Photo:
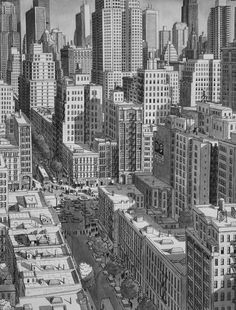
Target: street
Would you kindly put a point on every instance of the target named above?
(102, 288)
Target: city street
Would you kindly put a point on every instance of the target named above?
(102, 288)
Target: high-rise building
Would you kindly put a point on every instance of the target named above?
(83, 31)
(169, 53)
(9, 37)
(220, 31)
(180, 32)
(227, 169)
(123, 123)
(14, 69)
(151, 29)
(201, 80)
(210, 247)
(44, 4)
(228, 81)
(76, 60)
(37, 85)
(190, 15)
(93, 117)
(35, 25)
(164, 38)
(117, 41)
(7, 106)
(153, 93)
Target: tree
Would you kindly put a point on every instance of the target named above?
(56, 166)
(100, 248)
(129, 289)
(146, 304)
(113, 269)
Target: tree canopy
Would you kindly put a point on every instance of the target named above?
(129, 288)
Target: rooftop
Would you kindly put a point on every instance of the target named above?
(80, 148)
(151, 180)
(121, 193)
(212, 215)
(44, 112)
(170, 245)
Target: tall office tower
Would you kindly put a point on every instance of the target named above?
(190, 15)
(201, 79)
(9, 37)
(7, 105)
(17, 5)
(93, 117)
(35, 25)
(164, 38)
(172, 78)
(148, 132)
(44, 4)
(123, 123)
(74, 59)
(14, 69)
(202, 44)
(132, 38)
(70, 110)
(180, 32)
(210, 248)
(151, 29)
(153, 93)
(83, 31)
(37, 85)
(228, 81)
(220, 31)
(117, 41)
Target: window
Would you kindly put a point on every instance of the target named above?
(222, 296)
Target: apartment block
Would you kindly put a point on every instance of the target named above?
(228, 94)
(153, 93)
(210, 247)
(7, 106)
(111, 199)
(201, 80)
(108, 159)
(158, 195)
(41, 263)
(37, 85)
(123, 122)
(80, 163)
(227, 169)
(76, 60)
(156, 259)
(216, 120)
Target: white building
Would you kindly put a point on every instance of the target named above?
(210, 250)
(37, 85)
(7, 105)
(14, 69)
(180, 34)
(201, 79)
(153, 91)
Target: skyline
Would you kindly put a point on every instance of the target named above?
(71, 7)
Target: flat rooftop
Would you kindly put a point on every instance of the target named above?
(60, 301)
(120, 193)
(80, 148)
(151, 180)
(170, 245)
(45, 113)
(211, 213)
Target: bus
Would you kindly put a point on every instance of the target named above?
(43, 176)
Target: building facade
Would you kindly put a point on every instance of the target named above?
(180, 33)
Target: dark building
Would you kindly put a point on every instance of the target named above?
(190, 15)
(35, 25)
(44, 4)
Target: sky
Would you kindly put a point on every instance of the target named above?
(63, 13)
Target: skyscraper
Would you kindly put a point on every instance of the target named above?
(151, 29)
(220, 30)
(164, 38)
(190, 15)
(117, 41)
(35, 25)
(83, 35)
(180, 37)
(44, 4)
(14, 69)
(8, 34)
